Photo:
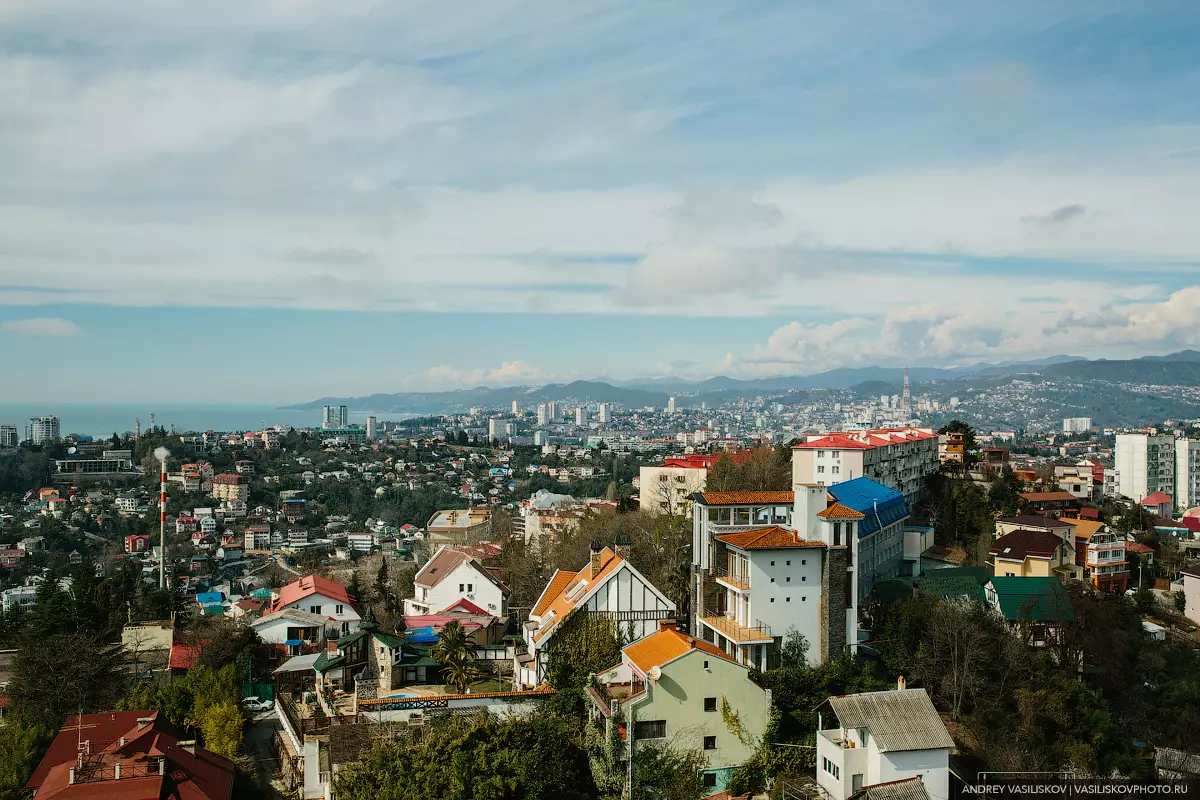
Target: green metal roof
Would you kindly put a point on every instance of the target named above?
(953, 587)
(979, 574)
(393, 642)
(1032, 599)
(892, 590)
(323, 661)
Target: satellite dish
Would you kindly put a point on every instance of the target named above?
(655, 673)
(71, 451)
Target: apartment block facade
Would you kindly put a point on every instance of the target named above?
(899, 458)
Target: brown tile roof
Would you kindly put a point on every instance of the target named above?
(839, 511)
(766, 539)
(1032, 521)
(667, 645)
(561, 605)
(1042, 497)
(1021, 544)
(745, 498)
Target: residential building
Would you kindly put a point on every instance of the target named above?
(450, 576)
(1160, 504)
(1024, 553)
(335, 417)
(129, 754)
(43, 430)
(604, 414)
(1034, 607)
(1064, 530)
(1191, 593)
(128, 503)
(228, 487)
(321, 596)
(640, 696)
(543, 414)
(951, 448)
(9, 437)
(609, 587)
(360, 542)
(671, 405)
(1145, 464)
(270, 439)
(258, 538)
(899, 458)
(1187, 473)
(459, 526)
(668, 489)
(881, 737)
(291, 627)
(1077, 424)
(1049, 504)
(137, 543)
(581, 416)
(372, 429)
(1107, 566)
(495, 428)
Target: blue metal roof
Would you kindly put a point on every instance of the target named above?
(208, 598)
(880, 505)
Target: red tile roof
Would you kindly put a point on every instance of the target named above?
(1045, 497)
(463, 605)
(839, 511)
(834, 441)
(746, 498)
(1158, 498)
(310, 585)
(772, 538)
(191, 773)
(1138, 547)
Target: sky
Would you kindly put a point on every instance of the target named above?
(286, 199)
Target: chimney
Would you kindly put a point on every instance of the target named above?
(810, 500)
(667, 624)
(595, 560)
(901, 684)
(624, 545)
(71, 776)
(331, 646)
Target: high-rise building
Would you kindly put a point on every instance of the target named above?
(1077, 424)
(43, 429)
(671, 405)
(1187, 473)
(495, 428)
(371, 429)
(605, 416)
(539, 438)
(9, 436)
(581, 416)
(552, 410)
(516, 407)
(335, 417)
(543, 414)
(1145, 464)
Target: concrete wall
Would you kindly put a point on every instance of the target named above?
(794, 598)
(1191, 591)
(932, 766)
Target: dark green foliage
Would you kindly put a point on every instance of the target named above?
(476, 758)
(584, 644)
(62, 674)
(661, 772)
(767, 469)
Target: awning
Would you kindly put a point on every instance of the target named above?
(294, 642)
(298, 663)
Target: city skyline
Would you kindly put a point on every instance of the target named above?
(404, 200)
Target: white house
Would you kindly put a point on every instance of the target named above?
(452, 575)
(319, 596)
(291, 626)
(607, 587)
(882, 737)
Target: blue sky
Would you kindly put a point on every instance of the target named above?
(405, 195)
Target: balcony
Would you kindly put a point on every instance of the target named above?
(738, 581)
(739, 634)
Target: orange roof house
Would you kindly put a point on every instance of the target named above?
(608, 587)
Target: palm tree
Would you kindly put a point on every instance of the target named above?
(460, 675)
(453, 645)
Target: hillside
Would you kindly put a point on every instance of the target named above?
(1164, 372)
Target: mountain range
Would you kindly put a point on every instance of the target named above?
(1179, 369)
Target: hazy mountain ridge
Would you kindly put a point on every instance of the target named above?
(1182, 369)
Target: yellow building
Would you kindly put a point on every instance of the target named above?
(1030, 554)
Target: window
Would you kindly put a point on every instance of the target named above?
(470, 587)
(710, 703)
(820, 454)
(314, 609)
(772, 563)
(836, 470)
(789, 579)
(710, 743)
(832, 768)
(803, 561)
(787, 600)
(789, 563)
(706, 665)
(709, 779)
(772, 599)
(820, 468)
(803, 578)
(650, 729)
(462, 587)
(835, 453)
(772, 580)
(803, 599)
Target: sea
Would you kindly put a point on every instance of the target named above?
(103, 419)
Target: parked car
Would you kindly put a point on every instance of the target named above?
(254, 704)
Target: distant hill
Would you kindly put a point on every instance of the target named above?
(1165, 370)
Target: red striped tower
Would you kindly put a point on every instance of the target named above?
(162, 526)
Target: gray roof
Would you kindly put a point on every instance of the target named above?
(306, 618)
(897, 720)
(298, 663)
(907, 789)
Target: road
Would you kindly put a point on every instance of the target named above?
(260, 745)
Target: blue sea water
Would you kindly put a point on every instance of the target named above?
(102, 419)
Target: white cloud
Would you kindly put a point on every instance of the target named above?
(509, 373)
(41, 326)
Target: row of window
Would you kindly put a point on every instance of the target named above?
(832, 768)
(803, 561)
(833, 470)
(832, 454)
(788, 599)
(338, 609)
(803, 579)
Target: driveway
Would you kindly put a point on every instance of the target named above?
(260, 745)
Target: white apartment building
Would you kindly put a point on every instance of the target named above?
(543, 414)
(319, 596)
(899, 458)
(43, 429)
(882, 737)
(604, 414)
(1145, 464)
(372, 429)
(450, 576)
(1187, 473)
(1077, 424)
(581, 416)
(9, 437)
(668, 489)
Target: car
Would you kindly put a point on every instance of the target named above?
(254, 704)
